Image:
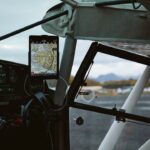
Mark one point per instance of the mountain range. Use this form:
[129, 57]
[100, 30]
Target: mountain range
[112, 77]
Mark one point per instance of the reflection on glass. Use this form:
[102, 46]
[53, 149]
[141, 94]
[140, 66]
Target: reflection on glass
[90, 135]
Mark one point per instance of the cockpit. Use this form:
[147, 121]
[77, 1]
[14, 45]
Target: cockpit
[77, 79]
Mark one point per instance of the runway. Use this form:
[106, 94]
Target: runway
[89, 135]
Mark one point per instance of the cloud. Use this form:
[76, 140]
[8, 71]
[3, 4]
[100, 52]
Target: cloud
[9, 46]
[124, 69]
[15, 55]
[15, 14]
[82, 48]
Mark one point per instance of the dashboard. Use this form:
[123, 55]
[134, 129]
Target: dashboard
[12, 79]
[16, 90]
[16, 87]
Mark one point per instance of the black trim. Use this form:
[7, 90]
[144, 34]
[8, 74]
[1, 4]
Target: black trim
[112, 112]
[79, 78]
[5, 62]
[143, 59]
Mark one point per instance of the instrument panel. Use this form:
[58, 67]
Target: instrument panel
[16, 87]
[12, 80]
[16, 90]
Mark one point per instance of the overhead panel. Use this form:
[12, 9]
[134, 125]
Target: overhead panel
[118, 25]
[139, 48]
[112, 24]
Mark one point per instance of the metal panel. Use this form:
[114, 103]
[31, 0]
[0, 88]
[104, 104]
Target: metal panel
[125, 54]
[112, 24]
[139, 48]
[60, 25]
[65, 70]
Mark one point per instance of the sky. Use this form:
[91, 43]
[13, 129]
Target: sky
[15, 14]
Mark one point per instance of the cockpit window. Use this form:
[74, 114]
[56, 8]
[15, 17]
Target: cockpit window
[108, 82]
[17, 14]
[109, 88]
[91, 133]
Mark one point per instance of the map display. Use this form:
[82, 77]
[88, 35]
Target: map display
[43, 58]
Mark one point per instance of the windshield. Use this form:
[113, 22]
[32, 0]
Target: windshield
[108, 85]
[17, 14]
[105, 80]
